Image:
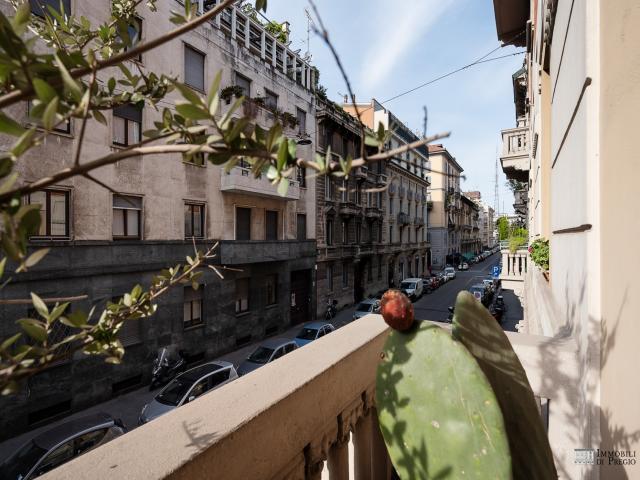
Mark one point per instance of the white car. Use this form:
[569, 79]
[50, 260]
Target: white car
[463, 266]
[450, 273]
[370, 305]
[412, 287]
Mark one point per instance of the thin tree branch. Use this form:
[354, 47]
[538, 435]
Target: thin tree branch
[88, 176]
[18, 95]
[85, 116]
[324, 34]
[28, 301]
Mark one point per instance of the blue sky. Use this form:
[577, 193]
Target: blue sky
[389, 47]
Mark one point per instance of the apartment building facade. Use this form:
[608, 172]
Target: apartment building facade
[578, 101]
[408, 178]
[445, 216]
[350, 216]
[470, 241]
[103, 243]
[486, 219]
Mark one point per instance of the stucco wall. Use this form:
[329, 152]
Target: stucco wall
[619, 91]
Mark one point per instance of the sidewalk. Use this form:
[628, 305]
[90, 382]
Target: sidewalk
[127, 407]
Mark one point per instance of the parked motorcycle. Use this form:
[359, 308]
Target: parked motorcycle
[165, 368]
[332, 309]
[450, 316]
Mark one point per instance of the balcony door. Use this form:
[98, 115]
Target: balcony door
[243, 223]
[271, 222]
[300, 307]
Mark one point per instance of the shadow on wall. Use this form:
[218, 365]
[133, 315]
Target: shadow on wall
[576, 389]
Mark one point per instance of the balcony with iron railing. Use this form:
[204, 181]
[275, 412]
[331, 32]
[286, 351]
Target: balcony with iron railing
[242, 180]
[515, 153]
[310, 412]
[403, 218]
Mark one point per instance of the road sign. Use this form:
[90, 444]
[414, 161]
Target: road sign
[496, 271]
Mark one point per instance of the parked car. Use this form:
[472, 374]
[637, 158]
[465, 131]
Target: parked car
[442, 278]
[379, 294]
[365, 307]
[490, 284]
[450, 273]
[480, 292]
[188, 386]
[59, 445]
[268, 351]
[312, 331]
[412, 288]
[463, 266]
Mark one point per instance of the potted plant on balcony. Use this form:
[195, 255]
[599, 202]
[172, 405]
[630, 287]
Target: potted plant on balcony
[289, 119]
[231, 91]
[539, 252]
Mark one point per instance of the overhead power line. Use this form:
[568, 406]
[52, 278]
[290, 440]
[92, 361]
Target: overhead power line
[477, 62]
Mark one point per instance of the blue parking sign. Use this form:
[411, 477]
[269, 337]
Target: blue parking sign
[496, 271]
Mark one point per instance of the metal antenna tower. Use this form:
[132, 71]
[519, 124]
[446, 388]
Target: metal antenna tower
[496, 192]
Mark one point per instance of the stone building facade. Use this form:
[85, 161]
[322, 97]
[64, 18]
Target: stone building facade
[102, 244]
[445, 216]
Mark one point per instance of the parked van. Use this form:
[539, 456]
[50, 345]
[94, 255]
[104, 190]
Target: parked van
[412, 287]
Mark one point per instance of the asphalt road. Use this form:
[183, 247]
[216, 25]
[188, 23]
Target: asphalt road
[431, 306]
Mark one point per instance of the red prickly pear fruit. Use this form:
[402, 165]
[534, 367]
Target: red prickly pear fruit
[397, 310]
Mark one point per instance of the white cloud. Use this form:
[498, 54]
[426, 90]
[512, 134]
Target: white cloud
[396, 32]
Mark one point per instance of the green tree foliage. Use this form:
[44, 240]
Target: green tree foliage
[503, 228]
[539, 251]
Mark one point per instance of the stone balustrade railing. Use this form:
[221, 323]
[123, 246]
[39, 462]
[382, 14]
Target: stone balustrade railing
[514, 264]
[311, 411]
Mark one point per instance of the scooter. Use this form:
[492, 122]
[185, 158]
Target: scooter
[331, 310]
[450, 316]
[164, 369]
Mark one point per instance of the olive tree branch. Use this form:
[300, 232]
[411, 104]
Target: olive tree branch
[23, 94]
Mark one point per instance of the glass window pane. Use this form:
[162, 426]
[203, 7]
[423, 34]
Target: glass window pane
[187, 311]
[40, 198]
[197, 221]
[118, 222]
[196, 306]
[132, 223]
[188, 227]
[119, 125]
[134, 132]
[244, 83]
[122, 201]
[58, 213]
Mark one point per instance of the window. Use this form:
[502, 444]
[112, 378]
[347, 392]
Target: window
[54, 212]
[126, 217]
[131, 331]
[330, 277]
[358, 232]
[329, 232]
[219, 377]
[270, 100]
[391, 205]
[328, 188]
[271, 222]
[242, 295]
[359, 195]
[271, 289]
[243, 223]
[134, 31]
[41, 7]
[344, 192]
[60, 455]
[301, 226]
[345, 232]
[345, 274]
[193, 68]
[301, 176]
[390, 233]
[192, 309]
[127, 125]
[193, 220]
[61, 128]
[301, 115]
[244, 83]
[345, 147]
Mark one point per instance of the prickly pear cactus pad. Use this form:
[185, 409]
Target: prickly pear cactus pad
[474, 326]
[437, 412]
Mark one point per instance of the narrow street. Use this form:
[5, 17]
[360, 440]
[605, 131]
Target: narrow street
[430, 307]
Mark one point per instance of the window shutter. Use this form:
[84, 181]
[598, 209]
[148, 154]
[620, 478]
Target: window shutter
[272, 225]
[193, 68]
[243, 223]
[130, 112]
